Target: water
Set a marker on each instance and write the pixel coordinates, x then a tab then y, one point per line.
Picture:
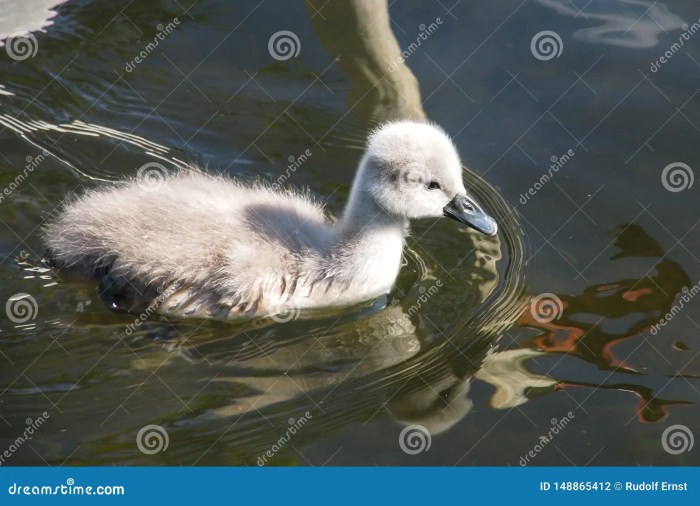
600	243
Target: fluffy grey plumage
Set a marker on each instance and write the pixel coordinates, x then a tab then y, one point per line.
217	247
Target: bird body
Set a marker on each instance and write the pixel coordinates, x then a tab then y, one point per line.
213	246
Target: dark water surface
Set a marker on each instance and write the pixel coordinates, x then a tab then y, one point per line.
544	341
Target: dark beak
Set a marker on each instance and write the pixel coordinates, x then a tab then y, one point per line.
465	210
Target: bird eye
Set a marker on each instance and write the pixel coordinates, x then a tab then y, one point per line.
433	185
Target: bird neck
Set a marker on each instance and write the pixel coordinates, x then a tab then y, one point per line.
368	242
369	245
364	217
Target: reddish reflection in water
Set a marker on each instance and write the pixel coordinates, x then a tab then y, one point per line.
641	302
